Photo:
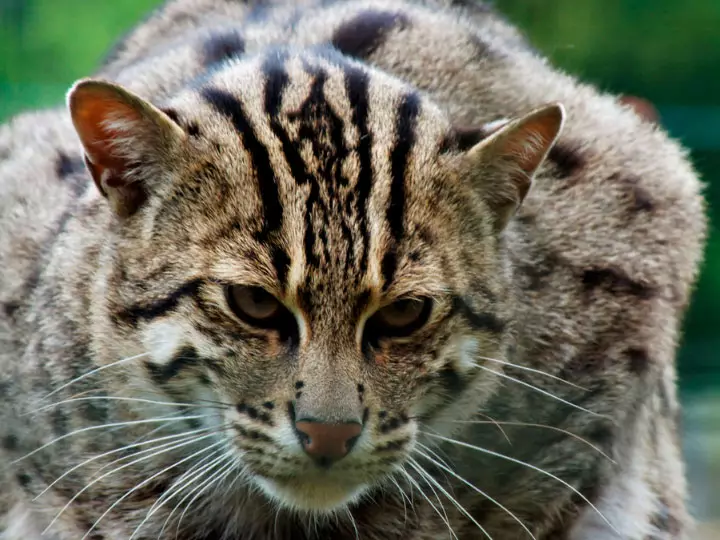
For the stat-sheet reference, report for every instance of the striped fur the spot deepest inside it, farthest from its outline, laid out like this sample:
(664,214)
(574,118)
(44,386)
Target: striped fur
(343,155)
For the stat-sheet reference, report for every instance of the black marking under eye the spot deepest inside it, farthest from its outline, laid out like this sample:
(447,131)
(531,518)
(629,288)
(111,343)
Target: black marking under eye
(158,308)
(186,358)
(363,34)
(486,322)
(231,108)
(220,47)
(408,112)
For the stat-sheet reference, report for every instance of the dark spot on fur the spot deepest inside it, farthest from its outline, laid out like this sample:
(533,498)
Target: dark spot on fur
(461,139)
(298,395)
(193,129)
(222,46)
(299,385)
(66,165)
(615,281)
(567,159)
(538,274)
(453,383)
(640,198)
(71,169)
(664,521)
(94,412)
(23,479)
(60,421)
(10,442)
(269,405)
(172,114)
(382,414)
(480,321)
(363,34)
(252,412)
(601,434)
(10,308)
(638,360)
(360,388)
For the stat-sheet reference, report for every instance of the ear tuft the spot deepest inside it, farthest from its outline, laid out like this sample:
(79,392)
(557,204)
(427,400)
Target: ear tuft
(509,158)
(120,132)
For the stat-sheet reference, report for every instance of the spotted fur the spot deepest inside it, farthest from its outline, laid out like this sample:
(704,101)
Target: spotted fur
(341,155)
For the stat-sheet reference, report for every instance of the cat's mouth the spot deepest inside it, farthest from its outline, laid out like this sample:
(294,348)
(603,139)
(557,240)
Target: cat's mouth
(320,493)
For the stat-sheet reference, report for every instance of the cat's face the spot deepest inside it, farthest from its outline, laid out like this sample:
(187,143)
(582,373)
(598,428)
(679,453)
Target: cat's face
(300,248)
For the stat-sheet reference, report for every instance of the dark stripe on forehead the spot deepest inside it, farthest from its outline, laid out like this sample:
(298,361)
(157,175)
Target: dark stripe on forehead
(230,107)
(158,308)
(276,81)
(356,84)
(405,139)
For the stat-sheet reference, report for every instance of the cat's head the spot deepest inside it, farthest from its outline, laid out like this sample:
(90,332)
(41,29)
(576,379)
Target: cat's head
(308,251)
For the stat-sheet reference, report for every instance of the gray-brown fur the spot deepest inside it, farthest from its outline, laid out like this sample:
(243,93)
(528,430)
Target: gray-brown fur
(588,282)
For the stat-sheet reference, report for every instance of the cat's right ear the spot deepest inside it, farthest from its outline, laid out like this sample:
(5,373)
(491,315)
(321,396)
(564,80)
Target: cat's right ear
(127,141)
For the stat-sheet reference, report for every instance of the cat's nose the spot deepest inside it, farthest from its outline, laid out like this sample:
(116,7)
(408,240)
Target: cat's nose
(327,443)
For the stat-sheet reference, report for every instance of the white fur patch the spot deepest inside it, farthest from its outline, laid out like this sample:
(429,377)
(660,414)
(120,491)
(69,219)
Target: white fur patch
(163,339)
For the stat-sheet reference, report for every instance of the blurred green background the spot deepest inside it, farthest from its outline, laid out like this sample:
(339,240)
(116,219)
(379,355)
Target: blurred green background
(666,51)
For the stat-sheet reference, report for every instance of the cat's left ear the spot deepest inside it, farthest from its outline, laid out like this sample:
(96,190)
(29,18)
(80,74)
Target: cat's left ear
(128,142)
(505,162)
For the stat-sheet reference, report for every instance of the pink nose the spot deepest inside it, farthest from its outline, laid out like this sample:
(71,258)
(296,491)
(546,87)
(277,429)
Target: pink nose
(327,443)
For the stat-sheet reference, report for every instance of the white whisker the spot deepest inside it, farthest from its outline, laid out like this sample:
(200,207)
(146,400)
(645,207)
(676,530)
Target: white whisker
(423,475)
(105,426)
(452,499)
(352,522)
(403,496)
(117,469)
(533,467)
(219,476)
(531,370)
(543,426)
(182,436)
(541,391)
(116,398)
(150,479)
(477,490)
(94,371)
(424,496)
(185,480)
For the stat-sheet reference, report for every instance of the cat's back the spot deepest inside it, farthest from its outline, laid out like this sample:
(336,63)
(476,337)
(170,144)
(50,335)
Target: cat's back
(41,173)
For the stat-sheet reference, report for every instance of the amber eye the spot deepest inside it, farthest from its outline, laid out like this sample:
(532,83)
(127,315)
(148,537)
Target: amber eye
(253,304)
(401,318)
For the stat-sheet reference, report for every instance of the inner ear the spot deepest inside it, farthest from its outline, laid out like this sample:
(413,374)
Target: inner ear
(507,160)
(120,132)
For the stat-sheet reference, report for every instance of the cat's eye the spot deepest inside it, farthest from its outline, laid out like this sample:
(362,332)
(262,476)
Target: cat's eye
(253,303)
(259,308)
(401,318)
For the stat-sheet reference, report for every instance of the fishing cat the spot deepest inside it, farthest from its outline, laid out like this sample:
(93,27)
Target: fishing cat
(334,270)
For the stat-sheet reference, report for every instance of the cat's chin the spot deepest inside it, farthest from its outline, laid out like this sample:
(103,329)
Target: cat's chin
(312,495)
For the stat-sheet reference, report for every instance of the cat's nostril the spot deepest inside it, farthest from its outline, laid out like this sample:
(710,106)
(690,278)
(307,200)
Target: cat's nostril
(327,443)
